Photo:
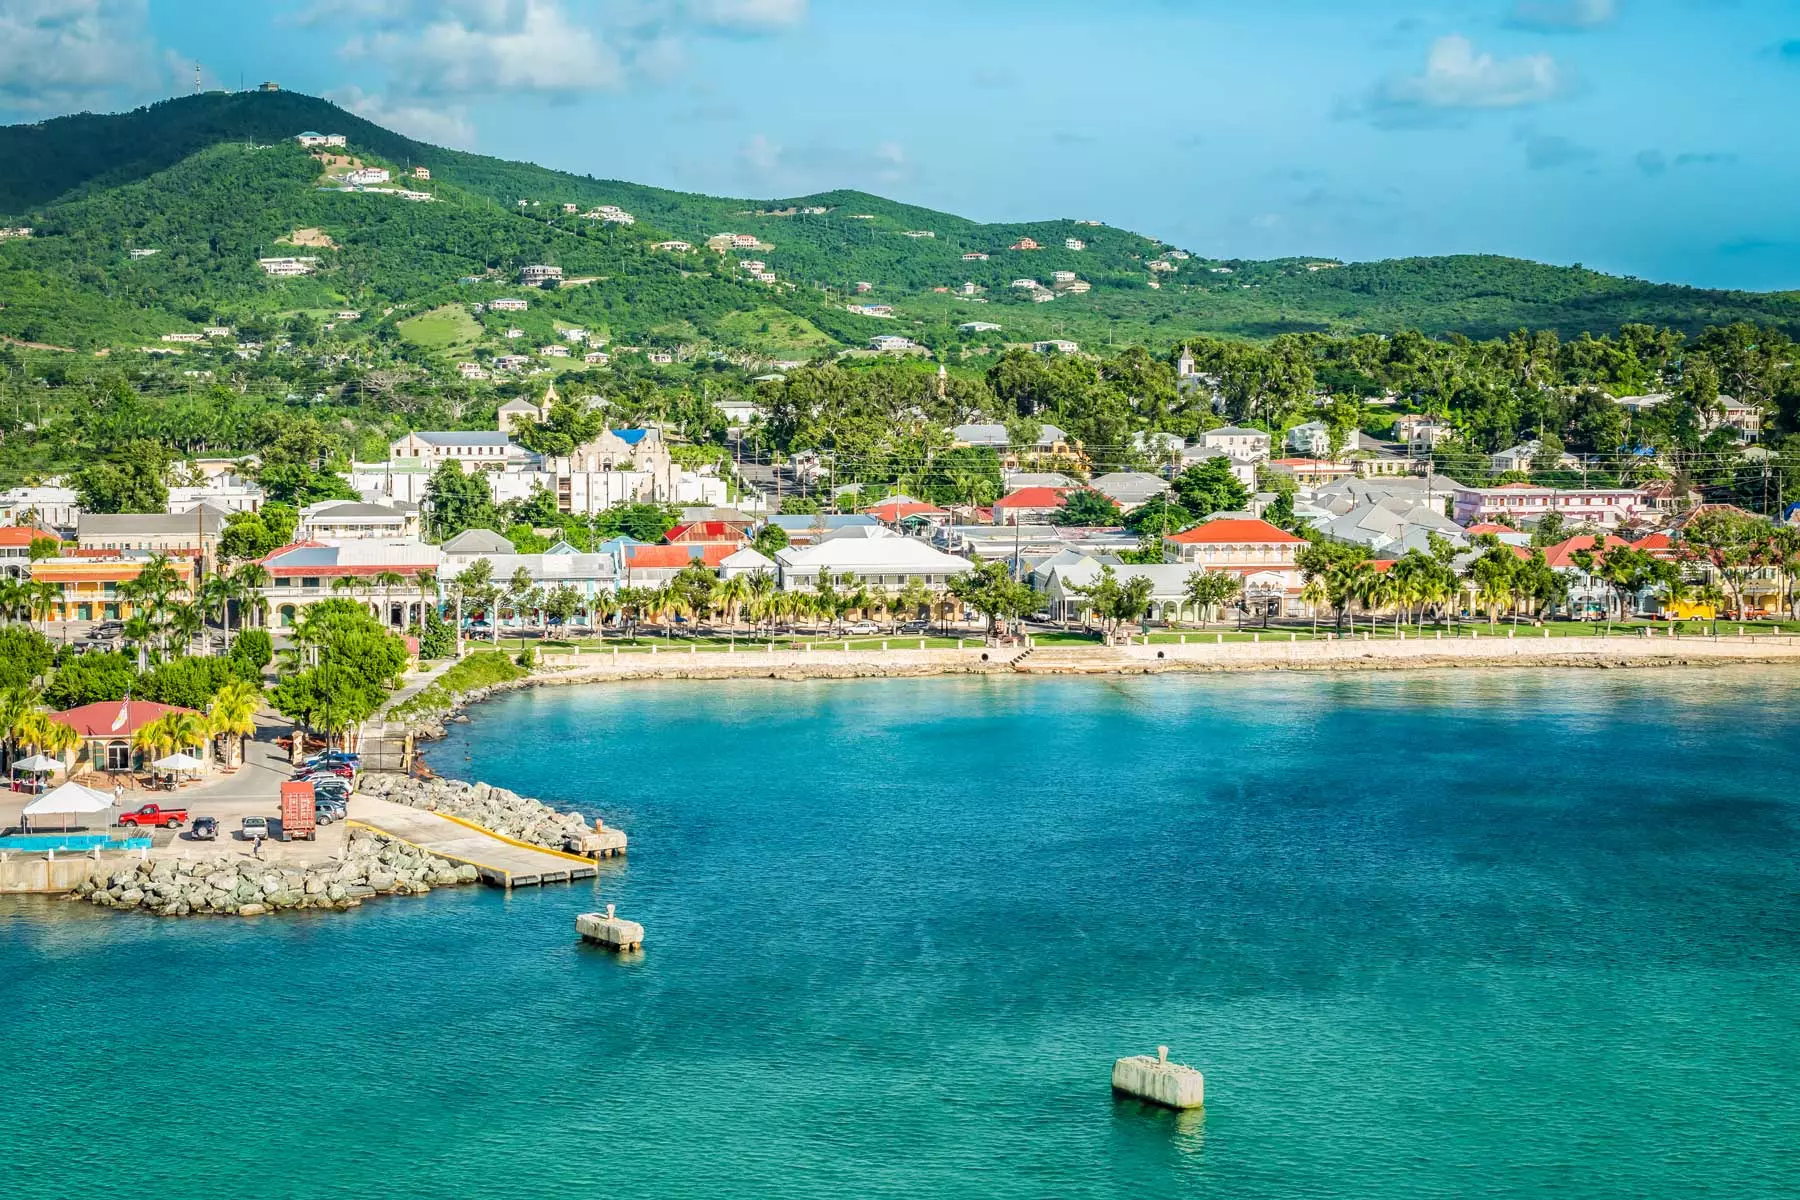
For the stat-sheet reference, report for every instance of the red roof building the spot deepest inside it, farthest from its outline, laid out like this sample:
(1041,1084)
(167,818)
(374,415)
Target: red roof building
(18,536)
(1235,530)
(1030,504)
(1263,554)
(647,566)
(1562,555)
(702,532)
(892,512)
(105,748)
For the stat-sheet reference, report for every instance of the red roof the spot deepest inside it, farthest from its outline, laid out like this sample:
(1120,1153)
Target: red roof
(1657,543)
(1035,497)
(1563,553)
(96,720)
(1309,462)
(706,531)
(896,511)
(1489,527)
(645,558)
(19,535)
(1235,529)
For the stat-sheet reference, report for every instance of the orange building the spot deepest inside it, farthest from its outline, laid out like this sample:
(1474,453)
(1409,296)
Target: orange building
(91,584)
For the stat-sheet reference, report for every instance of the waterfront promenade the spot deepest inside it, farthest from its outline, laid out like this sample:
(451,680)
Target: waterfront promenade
(1205,651)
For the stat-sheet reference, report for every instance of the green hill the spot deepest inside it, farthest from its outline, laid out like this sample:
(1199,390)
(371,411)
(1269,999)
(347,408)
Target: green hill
(211,183)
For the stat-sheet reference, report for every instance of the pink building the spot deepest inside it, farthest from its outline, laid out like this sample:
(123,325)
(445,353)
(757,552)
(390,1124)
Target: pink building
(1605,507)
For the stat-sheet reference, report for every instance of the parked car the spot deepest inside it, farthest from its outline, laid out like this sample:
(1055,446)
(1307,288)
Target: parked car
(153,814)
(916,627)
(863,629)
(254,827)
(324,756)
(107,630)
(326,809)
(206,829)
(340,770)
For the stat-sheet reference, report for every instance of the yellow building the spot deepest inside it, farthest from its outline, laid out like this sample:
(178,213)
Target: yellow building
(91,585)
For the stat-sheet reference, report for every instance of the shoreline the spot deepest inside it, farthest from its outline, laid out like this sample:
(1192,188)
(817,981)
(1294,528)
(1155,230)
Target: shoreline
(1195,658)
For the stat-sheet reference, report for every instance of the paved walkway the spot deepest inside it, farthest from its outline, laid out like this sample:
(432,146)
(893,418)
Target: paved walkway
(501,863)
(413,687)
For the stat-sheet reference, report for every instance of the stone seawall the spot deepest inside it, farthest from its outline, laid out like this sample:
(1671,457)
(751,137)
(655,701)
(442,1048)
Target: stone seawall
(248,887)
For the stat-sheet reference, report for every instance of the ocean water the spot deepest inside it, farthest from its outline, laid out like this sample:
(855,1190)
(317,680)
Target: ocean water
(1478,933)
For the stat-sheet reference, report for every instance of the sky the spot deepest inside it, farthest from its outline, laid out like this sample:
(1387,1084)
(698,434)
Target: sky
(1655,138)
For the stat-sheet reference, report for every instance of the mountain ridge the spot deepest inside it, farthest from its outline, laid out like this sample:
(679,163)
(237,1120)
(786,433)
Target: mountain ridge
(91,183)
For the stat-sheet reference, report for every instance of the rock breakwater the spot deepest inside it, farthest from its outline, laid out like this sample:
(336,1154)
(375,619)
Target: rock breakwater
(493,808)
(248,887)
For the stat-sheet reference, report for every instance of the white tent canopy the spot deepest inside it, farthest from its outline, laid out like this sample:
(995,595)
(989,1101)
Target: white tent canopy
(37,764)
(69,798)
(179,761)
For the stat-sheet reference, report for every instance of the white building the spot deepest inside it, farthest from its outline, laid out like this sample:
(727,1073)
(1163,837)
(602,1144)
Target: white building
(365,176)
(1264,555)
(339,520)
(509,305)
(1056,346)
(227,493)
(312,140)
(877,558)
(537,275)
(472,448)
(1237,441)
(1527,502)
(56,507)
(287,266)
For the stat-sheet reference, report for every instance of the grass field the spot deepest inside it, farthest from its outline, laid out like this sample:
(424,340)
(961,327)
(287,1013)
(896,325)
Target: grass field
(773,331)
(446,328)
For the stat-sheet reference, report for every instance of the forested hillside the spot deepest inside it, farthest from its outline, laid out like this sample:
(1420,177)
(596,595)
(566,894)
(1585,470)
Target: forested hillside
(213,182)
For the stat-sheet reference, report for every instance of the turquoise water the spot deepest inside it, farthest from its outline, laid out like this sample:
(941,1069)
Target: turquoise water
(1472,933)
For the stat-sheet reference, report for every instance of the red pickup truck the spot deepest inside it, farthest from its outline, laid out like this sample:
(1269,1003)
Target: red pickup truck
(152,814)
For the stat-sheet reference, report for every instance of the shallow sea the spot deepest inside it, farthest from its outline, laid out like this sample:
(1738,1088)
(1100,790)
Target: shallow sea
(1497,933)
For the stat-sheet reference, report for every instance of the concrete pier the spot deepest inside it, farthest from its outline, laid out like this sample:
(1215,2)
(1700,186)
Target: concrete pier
(1159,1081)
(615,933)
(598,842)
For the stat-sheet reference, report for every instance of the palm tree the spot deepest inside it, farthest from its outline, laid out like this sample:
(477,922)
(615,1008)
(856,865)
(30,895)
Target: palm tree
(251,579)
(42,599)
(387,581)
(139,629)
(187,621)
(733,594)
(232,714)
(38,731)
(216,595)
(1314,594)
(16,704)
(427,583)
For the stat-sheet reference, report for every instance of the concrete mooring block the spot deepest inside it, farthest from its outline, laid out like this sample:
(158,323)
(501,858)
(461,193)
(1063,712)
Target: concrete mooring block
(615,933)
(1159,1081)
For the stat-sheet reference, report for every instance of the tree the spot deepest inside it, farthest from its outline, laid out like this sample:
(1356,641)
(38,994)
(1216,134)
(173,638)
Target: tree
(252,650)
(562,604)
(1208,487)
(989,589)
(128,480)
(459,500)
(252,535)
(89,679)
(25,656)
(1207,590)
(770,540)
(1730,541)
(1116,601)
(1086,507)
(1159,516)
(1338,566)
(232,714)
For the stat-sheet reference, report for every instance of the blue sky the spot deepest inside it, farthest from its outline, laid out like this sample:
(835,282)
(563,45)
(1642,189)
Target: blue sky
(1645,137)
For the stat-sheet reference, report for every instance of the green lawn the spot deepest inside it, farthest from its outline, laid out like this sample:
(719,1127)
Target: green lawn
(441,328)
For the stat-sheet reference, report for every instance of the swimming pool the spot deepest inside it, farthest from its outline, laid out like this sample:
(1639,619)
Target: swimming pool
(79,843)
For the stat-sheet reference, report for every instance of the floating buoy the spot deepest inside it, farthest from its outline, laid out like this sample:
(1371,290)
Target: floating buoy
(615,933)
(1159,1081)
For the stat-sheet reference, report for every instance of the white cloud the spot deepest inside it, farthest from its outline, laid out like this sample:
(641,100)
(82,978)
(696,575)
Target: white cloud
(61,53)
(815,167)
(441,125)
(1564,15)
(755,16)
(484,46)
(1457,79)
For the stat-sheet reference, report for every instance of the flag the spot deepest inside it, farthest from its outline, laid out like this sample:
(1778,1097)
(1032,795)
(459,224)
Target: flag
(124,714)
